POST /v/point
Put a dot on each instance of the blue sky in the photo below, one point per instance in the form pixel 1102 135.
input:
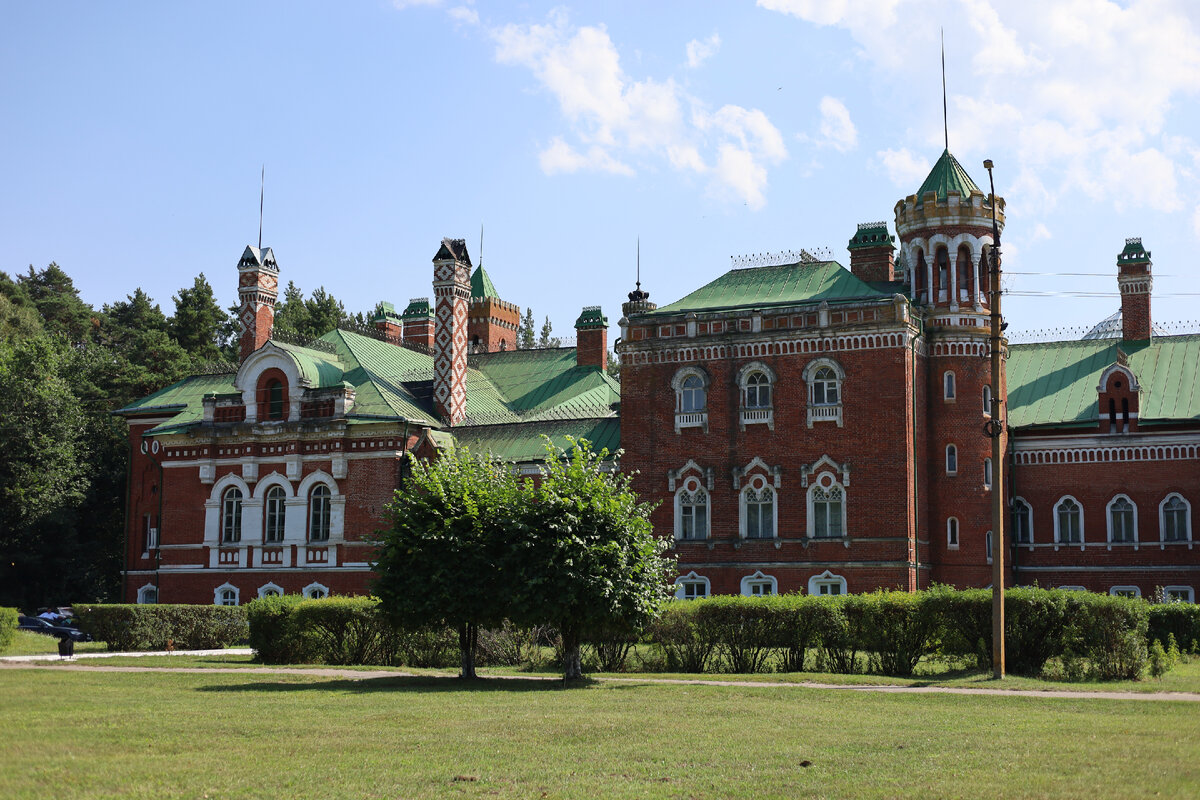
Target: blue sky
pixel 134 133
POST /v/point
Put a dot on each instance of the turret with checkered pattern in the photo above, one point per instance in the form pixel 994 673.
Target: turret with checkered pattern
pixel 258 289
pixel 452 291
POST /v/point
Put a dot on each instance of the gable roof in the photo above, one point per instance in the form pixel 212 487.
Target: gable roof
pixel 947 176
pixel 1054 383
pixel 779 284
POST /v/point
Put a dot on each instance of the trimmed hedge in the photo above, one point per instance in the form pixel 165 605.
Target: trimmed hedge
pixel 8 627
pixel 1180 619
pixel 127 627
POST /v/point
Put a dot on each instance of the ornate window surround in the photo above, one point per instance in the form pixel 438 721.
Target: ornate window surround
pixel 1108 518
pixel 824 412
pixel 697 418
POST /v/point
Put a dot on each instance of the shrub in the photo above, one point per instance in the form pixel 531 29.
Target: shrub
pixel 608 650
pixel 799 629
pixel 431 647
pixel 896 628
pixel 685 644
pixel 962 624
pixel 8 627
pixel 507 646
pixel 158 627
pixel 1110 632
pixel 745 630
pixel 346 631
pixel 1179 619
pixel 275 637
pixel 1037 628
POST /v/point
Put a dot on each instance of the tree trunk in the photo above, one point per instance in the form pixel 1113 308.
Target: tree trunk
pixel 468 638
pixel 572 661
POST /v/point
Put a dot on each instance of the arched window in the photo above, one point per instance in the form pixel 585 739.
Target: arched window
pixel 757 392
pixel 270 590
pixel 1122 520
pixel 942 259
pixel 987 400
pixel 273 530
pixel 231 515
pixel 759 585
pixel 985 279
pixel 691 587
pixel 692 396
pixel 1068 521
pixel 949 389
pixel 318 513
pixel 691 511
pixel 148 594
pixel 951 460
pixel 919 277
pixel 825 387
pixel 1174 519
pixel 987 544
pixel 1022 522
pixel 275 408
pixel 987 473
pixel 827 584
pixel 826 509
pixel 226 595
pixel 952 533
pixel 315 591
pixel 824 377
pixel 758 510
pixel 963 268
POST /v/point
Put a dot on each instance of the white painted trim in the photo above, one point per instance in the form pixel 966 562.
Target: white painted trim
pixel 691 577
pixel 679 510
pixel 743 525
pixel 1012 516
pixel 759 578
pixel 1098 448
pixel 949 385
pixel 225 587
pixel 143 591
pixel 273 479
pixel 269 587
pixel 810 508
pixel 314 586
pixel 1058 542
pixel 264 358
pixel 1162 519
pixel 1102 387
pixel 1191 593
pixel 1109 522
pixel 826 578
pixel 951 448
pixel 1116 590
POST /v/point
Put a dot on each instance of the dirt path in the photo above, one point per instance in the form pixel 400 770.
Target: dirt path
pixel 362 675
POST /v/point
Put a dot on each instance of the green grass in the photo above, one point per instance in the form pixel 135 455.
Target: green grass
pixel 28 643
pixel 84 734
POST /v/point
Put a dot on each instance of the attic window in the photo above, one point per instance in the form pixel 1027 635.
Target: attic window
pixel 275 399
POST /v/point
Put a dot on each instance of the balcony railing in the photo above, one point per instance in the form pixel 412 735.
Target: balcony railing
pixel 758 416
pixel 691 419
pixel 825 413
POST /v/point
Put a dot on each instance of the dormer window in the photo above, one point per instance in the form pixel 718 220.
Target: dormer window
pixel 275 399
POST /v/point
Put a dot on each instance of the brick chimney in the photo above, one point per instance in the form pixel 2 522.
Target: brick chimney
pixel 258 289
pixel 418 325
pixel 388 322
pixel 591 342
pixel 452 292
pixel 1135 283
pixel 872 255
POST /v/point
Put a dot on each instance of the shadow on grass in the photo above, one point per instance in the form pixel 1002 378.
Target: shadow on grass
pixel 415 683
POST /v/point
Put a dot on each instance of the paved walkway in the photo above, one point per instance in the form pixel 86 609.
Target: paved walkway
pixel 229 651
pixel 25 662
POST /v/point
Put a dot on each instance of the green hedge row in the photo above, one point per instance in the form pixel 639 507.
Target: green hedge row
pixel 8 627
pixel 890 632
pixel 126 627
pixel 1182 620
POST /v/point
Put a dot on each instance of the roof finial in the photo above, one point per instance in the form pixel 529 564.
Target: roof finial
pixel 262 185
pixel 945 123
pixel 639 263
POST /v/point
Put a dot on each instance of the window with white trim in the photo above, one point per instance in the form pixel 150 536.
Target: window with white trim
pixel 691 510
pixel 987 473
pixel 826 508
pixel 1022 522
pixel 1122 520
pixel 827 584
pixel 226 595
pixel 987 400
pixel 270 590
pixel 1073 588
pixel 824 377
pixel 1175 519
pixel 759 585
pixel 756 393
pixel 987 545
pixel 952 533
pixel 1068 521
pixel 691 398
pixel 951 460
pixel 1125 591
pixel 148 594
pixel 758 509
pixel 315 591
pixel 948 386
pixel 1178 594
pixel 319 513
pixel 231 515
pixel 273 519
pixel 691 587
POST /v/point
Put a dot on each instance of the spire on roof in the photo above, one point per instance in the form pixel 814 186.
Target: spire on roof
pixel 947 176
pixel 481 285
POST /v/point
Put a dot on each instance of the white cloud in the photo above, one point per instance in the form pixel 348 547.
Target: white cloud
pixel 699 51
pixel 1040 231
pixel 904 169
pixel 616 121
pixel 837 130
pixel 463 14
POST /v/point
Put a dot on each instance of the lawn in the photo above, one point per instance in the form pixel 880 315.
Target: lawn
pixel 28 643
pixel 156 735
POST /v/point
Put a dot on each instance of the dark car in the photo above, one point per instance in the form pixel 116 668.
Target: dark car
pixel 39 625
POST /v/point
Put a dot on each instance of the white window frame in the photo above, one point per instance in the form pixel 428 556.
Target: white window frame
pixel 827 578
pixel 1072 588
pixel 825 411
pixel 692 485
pixel 1162 520
pixel 987 399
pixel 1125 591
pixel 268 499
pixel 757 484
pixel 761 580
pixel 307 591
pixel 143 592
pixel 695 418
pixel 267 589
pixel 239 515
pixel 949 386
pixel 310 511
pixel 952 459
pixel 952 533
pixel 987 543
pixel 1188 591
pixel 1058 540
pixel 218 600
pixel 987 473
pixel 692 579
pixel 825 483
pixel 1013 518
pixel 757 414
pixel 1108 518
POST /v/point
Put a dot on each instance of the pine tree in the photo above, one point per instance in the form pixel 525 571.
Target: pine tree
pixel 57 300
pixel 525 340
pixel 546 340
pixel 200 326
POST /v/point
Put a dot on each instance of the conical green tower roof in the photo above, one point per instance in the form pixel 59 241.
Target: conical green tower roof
pixel 948 176
pixel 481 284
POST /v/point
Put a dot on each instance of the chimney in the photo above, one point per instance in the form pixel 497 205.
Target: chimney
pixel 452 291
pixel 1135 283
pixel 591 342
pixel 418 325
pixel 388 322
pixel 258 289
pixel 871 253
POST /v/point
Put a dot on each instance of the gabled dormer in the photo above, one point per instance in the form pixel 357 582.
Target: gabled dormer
pixel 1118 398
pixel 280 383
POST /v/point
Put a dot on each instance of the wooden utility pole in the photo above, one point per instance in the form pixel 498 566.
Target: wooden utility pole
pixel 995 429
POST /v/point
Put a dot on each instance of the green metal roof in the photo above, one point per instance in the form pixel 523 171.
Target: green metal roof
pixel 947 176
pixel 524 442
pixel 418 307
pixel 872 234
pixel 1054 383
pixel 481 284
pixel 377 371
pixel 320 369
pixel 781 284
pixel 591 317
pixel 524 384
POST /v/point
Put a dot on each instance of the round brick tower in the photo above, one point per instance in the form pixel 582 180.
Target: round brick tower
pixel 945 232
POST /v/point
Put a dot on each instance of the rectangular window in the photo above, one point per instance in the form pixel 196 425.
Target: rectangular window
pixel 829 588
pixel 694 590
